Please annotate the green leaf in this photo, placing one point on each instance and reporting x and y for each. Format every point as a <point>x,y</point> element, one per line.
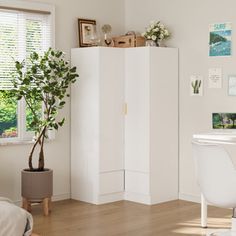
<point>55,126</point>
<point>73,70</point>
<point>62,103</point>
<point>61,123</point>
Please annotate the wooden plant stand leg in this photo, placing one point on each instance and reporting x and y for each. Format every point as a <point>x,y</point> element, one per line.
<point>46,206</point>
<point>29,207</point>
<point>50,204</point>
<point>26,204</point>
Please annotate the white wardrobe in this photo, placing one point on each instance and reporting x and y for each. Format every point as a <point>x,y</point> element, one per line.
<point>97,125</point>
<point>124,125</point>
<point>151,124</point>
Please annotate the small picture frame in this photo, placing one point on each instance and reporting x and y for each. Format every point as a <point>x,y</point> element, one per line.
<point>86,30</point>
<point>232,85</point>
<point>224,120</point>
<point>196,85</point>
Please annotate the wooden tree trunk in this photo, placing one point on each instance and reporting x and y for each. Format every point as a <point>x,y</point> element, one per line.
<point>41,160</point>
<point>41,153</point>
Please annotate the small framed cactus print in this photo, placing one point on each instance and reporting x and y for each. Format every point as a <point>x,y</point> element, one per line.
<point>196,85</point>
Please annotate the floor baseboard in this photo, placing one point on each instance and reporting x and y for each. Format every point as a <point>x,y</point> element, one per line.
<point>190,197</point>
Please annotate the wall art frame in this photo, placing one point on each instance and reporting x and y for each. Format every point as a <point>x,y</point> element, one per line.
<point>232,85</point>
<point>86,28</point>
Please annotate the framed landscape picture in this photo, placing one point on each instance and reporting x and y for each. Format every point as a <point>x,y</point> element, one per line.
<point>86,32</point>
<point>224,120</point>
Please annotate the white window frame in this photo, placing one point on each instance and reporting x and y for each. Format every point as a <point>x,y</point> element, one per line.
<point>24,135</point>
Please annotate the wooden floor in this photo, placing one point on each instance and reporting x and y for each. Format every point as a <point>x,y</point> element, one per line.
<point>73,218</point>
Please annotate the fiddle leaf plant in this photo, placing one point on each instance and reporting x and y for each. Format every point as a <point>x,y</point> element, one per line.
<point>43,80</point>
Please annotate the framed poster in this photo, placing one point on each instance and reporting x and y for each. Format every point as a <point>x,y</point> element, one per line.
<point>215,78</point>
<point>220,39</point>
<point>232,85</point>
<point>86,32</point>
<point>196,85</point>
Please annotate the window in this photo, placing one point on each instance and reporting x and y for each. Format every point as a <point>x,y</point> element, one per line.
<point>22,31</point>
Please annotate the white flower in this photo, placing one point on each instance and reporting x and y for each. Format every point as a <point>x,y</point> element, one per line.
<point>156,30</point>
<point>152,26</point>
<point>161,36</point>
<point>162,26</point>
<point>166,32</point>
<point>154,37</point>
<point>148,37</point>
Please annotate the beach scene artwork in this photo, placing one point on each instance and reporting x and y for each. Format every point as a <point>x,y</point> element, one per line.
<point>220,39</point>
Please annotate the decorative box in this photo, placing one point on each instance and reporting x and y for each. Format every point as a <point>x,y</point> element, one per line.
<point>128,41</point>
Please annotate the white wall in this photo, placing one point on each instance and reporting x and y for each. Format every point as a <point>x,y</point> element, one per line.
<point>188,21</point>
<point>14,158</point>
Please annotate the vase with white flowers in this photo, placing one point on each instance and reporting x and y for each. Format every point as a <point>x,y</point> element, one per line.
<point>155,33</point>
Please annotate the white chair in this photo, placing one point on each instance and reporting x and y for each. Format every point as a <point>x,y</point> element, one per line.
<point>216,177</point>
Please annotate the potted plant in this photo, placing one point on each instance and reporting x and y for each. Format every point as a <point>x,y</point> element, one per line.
<point>42,80</point>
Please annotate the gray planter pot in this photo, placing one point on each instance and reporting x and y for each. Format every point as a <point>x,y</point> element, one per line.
<point>36,185</point>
